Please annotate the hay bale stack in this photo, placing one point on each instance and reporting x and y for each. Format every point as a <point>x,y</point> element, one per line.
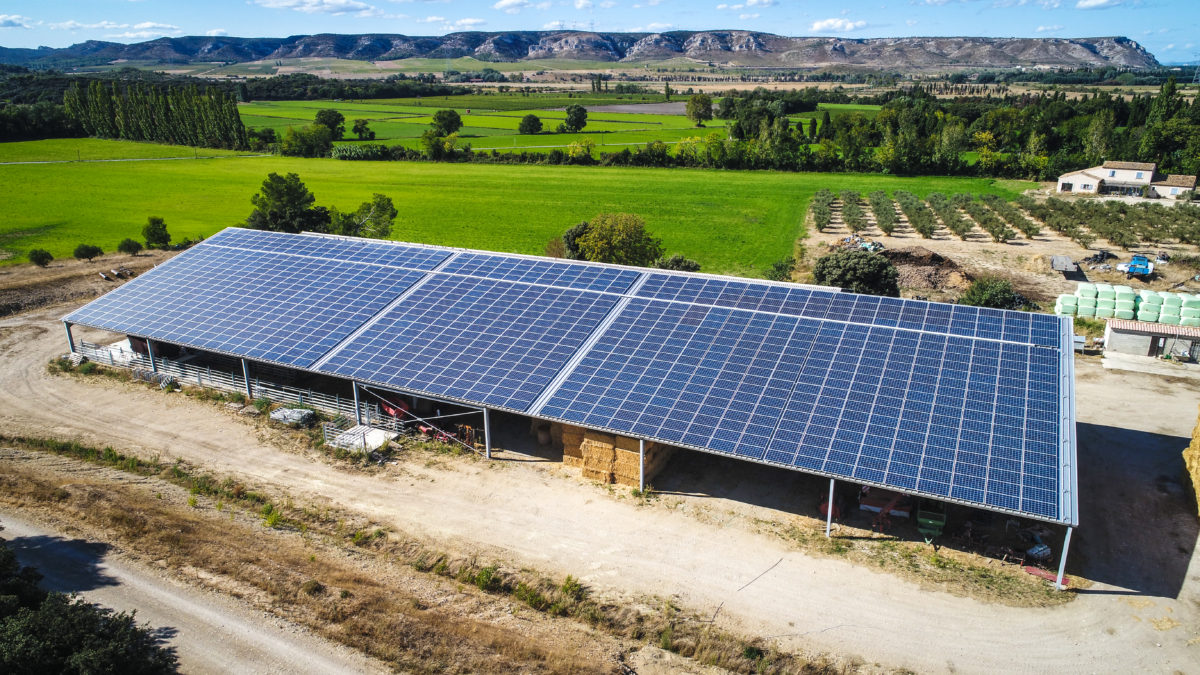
<point>570,438</point>
<point>1191,459</point>
<point>625,469</point>
<point>556,435</point>
<point>608,458</point>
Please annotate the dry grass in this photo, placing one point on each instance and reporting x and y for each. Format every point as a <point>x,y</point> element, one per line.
<point>340,575</point>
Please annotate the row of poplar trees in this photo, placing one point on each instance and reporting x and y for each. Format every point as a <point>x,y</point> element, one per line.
<point>205,118</point>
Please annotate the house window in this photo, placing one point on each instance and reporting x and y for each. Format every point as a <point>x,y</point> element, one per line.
<point>1085,186</point>
<point>1139,175</point>
<point>1174,191</point>
<point>1111,174</point>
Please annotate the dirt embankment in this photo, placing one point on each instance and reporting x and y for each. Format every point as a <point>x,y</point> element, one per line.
<point>920,268</point>
<point>26,287</point>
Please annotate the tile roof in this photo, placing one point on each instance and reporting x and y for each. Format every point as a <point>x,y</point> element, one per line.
<point>1154,328</point>
<point>1130,166</point>
<point>1177,180</point>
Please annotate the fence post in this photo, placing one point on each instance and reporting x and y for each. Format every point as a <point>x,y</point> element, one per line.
<point>70,338</point>
<point>246,377</point>
<point>150,352</point>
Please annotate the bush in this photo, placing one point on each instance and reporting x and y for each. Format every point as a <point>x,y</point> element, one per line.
<point>40,257</point>
<point>991,292</point>
<point>87,252</point>
<point>858,272</point>
<point>530,124</point>
<point>781,270</point>
<point>155,233</point>
<point>129,246</point>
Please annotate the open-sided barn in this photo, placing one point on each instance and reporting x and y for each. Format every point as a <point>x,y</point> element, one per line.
<point>961,404</point>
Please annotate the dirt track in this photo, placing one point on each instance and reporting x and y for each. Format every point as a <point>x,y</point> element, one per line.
<point>1142,613</point>
<point>209,632</point>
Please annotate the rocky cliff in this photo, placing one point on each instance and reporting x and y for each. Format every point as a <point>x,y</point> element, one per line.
<point>722,47</point>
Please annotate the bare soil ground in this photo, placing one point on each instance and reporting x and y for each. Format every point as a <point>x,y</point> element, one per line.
<point>1023,261</point>
<point>711,541</point>
<point>24,287</point>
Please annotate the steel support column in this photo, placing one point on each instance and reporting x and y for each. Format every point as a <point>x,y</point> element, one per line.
<point>70,338</point>
<point>829,510</point>
<point>357,405</point>
<point>487,435</point>
<point>246,377</point>
<point>150,353</point>
<point>1062,561</point>
<point>642,466</point>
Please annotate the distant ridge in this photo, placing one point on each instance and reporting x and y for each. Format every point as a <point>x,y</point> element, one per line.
<point>719,47</point>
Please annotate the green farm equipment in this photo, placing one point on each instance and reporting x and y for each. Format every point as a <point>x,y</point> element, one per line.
<point>931,519</point>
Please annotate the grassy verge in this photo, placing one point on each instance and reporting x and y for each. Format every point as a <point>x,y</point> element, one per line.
<point>938,568</point>
<point>308,574</point>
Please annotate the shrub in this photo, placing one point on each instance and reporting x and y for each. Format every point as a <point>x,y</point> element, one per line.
<point>781,270</point>
<point>40,257</point>
<point>129,246</point>
<point>87,252</point>
<point>155,233</point>
<point>858,272</point>
<point>312,587</point>
<point>530,124</point>
<point>991,292</point>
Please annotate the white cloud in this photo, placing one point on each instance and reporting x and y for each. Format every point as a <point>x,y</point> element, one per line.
<point>511,6</point>
<point>554,25</point>
<point>759,3</point>
<point>836,25</point>
<point>14,21</point>
<point>319,6</point>
<point>151,25</point>
<point>911,22</point>
<point>75,25</point>
<point>469,22</point>
<point>744,17</point>
<point>607,4</point>
<point>543,5</point>
<point>431,19</point>
<point>1048,29</point>
<point>651,28</point>
<point>1170,46</point>
<point>1096,4</point>
<point>216,32</point>
<point>583,4</point>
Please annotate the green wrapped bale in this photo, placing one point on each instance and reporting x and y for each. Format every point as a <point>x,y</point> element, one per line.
<point>1169,319</point>
<point>1104,312</point>
<point>1105,292</point>
<point>1105,303</point>
<point>1173,300</point>
<point>1085,312</point>
<point>1150,298</point>
<point>1124,305</point>
<point>1065,310</point>
<point>1067,301</point>
<point>1125,314</point>
<point>1148,316</point>
<point>1189,322</point>
<point>1086,290</point>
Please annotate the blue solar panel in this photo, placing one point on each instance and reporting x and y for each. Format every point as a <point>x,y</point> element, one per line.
<point>547,272</point>
<point>494,342</point>
<point>250,303</point>
<point>967,419</point>
<point>702,376</point>
<point>956,402</point>
<point>333,248</point>
<point>865,309</point>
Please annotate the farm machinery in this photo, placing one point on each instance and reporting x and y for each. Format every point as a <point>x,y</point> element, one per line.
<point>1139,266</point>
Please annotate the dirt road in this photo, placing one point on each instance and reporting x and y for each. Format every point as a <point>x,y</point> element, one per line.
<point>210,633</point>
<point>1137,540</point>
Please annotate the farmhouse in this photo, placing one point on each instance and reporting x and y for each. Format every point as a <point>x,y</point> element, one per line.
<point>1141,338</point>
<point>1126,178</point>
<point>951,403</point>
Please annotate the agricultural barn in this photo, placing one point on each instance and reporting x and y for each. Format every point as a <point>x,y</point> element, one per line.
<point>1126,178</point>
<point>1140,338</point>
<point>960,404</point>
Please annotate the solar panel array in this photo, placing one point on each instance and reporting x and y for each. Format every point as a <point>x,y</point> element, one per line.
<point>954,402</point>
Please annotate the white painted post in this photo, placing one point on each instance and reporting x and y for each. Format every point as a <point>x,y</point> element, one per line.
<point>150,352</point>
<point>246,377</point>
<point>357,408</point>
<point>487,435</point>
<point>829,510</point>
<point>70,338</point>
<point>641,466</point>
<point>1062,561</point>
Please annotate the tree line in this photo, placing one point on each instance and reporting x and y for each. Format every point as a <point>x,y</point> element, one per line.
<point>188,116</point>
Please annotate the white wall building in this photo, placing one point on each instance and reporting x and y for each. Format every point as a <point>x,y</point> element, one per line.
<point>1126,178</point>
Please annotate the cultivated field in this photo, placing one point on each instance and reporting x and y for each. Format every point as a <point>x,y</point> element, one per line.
<point>490,120</point>
<point>731,222</point>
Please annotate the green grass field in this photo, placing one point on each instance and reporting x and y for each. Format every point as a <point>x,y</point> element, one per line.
<point>732,222</point>
<point>83,149</point>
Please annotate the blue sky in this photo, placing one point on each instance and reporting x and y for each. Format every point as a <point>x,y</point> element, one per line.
<point>1168,28</point>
